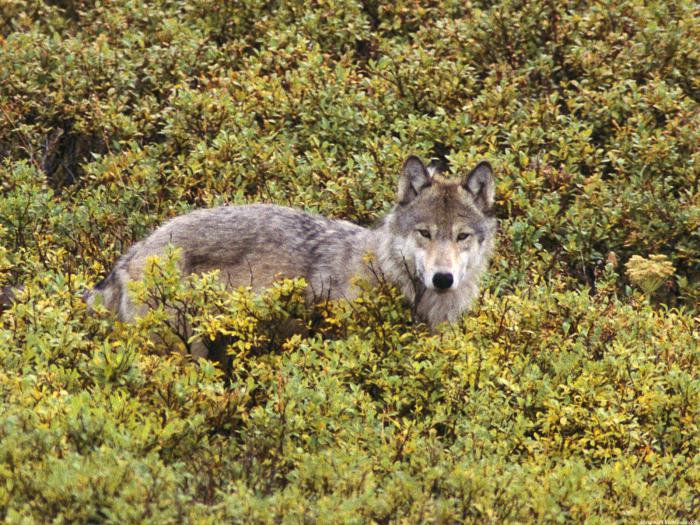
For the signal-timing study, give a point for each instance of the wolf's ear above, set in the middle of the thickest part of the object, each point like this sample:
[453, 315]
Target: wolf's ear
[414, 177]
[481, 184]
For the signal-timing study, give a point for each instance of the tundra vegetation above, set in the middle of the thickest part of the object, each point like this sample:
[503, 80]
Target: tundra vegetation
[569, 393]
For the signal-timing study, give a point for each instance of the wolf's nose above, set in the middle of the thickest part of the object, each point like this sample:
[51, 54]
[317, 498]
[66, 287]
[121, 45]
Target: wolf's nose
[443, 280]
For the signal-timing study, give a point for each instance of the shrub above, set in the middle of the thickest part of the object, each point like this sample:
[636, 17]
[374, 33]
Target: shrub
[565, 395]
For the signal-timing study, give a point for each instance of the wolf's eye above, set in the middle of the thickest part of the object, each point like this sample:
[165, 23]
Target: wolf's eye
[462, 236]
[424, 233]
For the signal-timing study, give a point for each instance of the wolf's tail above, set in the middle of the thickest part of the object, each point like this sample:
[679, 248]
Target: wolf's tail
[108, 292]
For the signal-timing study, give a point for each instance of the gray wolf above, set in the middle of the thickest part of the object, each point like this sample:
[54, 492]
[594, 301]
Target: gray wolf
[433, 246]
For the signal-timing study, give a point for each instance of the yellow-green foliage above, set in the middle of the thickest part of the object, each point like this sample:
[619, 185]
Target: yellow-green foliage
[564, 396]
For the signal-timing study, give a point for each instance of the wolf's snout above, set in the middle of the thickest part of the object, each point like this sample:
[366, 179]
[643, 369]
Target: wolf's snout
[442, 281]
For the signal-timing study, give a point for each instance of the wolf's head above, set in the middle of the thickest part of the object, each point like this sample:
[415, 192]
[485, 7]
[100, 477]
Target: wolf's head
[442, 228]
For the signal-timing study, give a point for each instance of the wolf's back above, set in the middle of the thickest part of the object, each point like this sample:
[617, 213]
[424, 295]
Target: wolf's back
[250, 245]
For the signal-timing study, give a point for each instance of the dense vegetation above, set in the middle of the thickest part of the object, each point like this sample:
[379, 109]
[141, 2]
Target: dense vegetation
[569, 393]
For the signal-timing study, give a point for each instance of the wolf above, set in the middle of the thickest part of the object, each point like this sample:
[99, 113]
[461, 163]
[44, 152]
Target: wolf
[433, 246]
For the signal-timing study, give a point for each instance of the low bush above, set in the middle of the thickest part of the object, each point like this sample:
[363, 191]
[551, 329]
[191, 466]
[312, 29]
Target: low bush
[569, 393]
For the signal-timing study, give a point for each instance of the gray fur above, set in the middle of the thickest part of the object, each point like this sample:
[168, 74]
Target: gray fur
[253, 245]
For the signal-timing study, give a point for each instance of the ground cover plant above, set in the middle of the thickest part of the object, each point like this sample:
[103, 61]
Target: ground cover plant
[569, 394]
